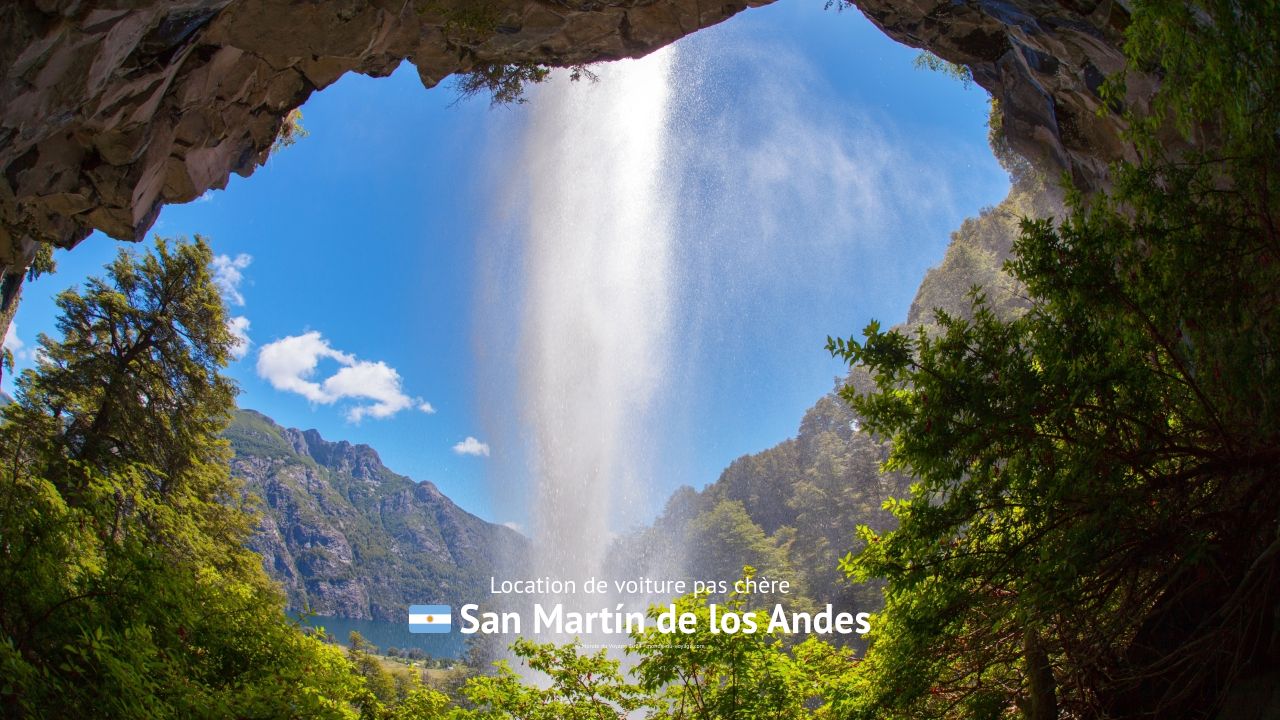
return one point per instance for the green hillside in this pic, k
(346, 536)
(792, 510)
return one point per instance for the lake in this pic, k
(388, 634)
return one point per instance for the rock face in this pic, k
(346, 536)
(109, 110)
(1044, 60)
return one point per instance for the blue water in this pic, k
(388, 634)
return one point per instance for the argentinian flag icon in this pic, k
(429, 618)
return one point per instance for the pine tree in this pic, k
(127, 589)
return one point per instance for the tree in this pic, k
(381, 684)
(358, 643)
(127, 588)
(421, 703)
(579, 687)
(708, 676)
(727, 539)
(928, 61)
(506, 83)
(1093, 529)
(1095, 488)
(291, 131)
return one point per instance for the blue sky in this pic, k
(811, 176)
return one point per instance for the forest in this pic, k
(1081, 517)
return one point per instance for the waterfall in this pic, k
(653, 234)
(596, 250)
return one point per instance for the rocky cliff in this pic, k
(109, 110)
(790, 510)
(1044, 60)
(346, 536)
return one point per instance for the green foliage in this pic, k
(377, 679)
(1217, 63)
(705, 675)
(421, 703)
(1094, 524)
(1019, 168)
(291, 131)
(128, 592)
(786, 511)
(470, 24)
(975, 257)
(579, 687)
(358, 644)
(727, 538)
(469, 21)
(505, 83)
(928, 61)
(43, 263)
(686, 676)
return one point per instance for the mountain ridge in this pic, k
(791, 510)
(345, 535)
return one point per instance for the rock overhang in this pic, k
(109, 111)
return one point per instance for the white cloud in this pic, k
(239, 328)
(374, 380)
(512, 524)
(286, 363)
(472, 446)
(290, 364)
(12, 342)
(227, 276)
(206, 196)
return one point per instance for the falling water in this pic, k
(717, 185)
(595, 319)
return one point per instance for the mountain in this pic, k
(791, 510)
(977, 251)
(346, 536)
